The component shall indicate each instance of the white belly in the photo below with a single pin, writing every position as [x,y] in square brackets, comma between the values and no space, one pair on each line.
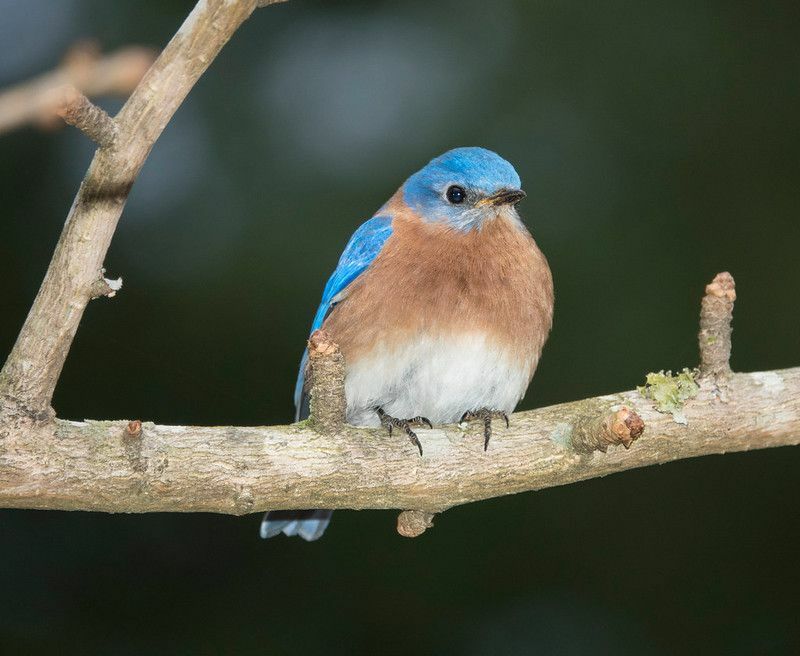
[437,378]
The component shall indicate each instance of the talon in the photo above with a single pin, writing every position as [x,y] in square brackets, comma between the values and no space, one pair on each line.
[415,440]
[486,415]
[390,423]
[421,421]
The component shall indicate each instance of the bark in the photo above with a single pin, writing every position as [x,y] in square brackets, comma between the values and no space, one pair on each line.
[106,466]
[31,371]
[135,466]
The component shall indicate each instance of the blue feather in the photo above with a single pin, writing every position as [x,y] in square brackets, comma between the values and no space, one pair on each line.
[361,250]
[308,524]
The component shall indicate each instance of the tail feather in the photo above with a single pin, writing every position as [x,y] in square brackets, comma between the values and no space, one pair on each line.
[308,524]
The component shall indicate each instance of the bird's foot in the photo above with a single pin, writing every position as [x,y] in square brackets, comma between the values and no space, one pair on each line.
[390,423]
[486,415]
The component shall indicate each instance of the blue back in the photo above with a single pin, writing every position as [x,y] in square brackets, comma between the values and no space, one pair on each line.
[361,250]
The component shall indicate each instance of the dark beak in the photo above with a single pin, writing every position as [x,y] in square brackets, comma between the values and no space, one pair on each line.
[503,197]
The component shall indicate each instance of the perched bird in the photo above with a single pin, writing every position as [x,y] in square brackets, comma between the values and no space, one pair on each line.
[441,304]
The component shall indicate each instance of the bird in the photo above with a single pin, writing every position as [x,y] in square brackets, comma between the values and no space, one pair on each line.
[441,304]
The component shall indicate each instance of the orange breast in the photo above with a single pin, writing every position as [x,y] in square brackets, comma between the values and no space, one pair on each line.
[429,280]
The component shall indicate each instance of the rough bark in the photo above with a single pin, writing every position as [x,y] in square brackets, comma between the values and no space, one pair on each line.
[76,109]
[326,373]
[31,371]
[714,338]
[134,466]
[103,465]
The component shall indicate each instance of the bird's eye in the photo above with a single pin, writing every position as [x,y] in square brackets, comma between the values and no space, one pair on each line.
[456,194]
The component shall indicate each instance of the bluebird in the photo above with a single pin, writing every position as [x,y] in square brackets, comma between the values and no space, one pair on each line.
[441,304]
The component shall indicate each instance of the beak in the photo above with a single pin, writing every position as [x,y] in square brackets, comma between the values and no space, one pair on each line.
[502,197]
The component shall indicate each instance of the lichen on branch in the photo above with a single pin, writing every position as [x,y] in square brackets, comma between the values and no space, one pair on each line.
[135,466]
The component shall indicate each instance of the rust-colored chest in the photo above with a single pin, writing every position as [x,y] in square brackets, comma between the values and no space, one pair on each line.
[433,281]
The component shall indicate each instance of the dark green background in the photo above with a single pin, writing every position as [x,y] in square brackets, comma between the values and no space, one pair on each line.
[658,143]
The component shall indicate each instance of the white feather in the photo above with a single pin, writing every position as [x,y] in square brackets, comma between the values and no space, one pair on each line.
[436,377]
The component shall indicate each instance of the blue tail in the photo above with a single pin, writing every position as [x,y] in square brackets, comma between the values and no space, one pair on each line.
[308,524]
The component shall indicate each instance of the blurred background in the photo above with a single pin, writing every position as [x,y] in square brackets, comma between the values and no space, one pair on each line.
[658,143]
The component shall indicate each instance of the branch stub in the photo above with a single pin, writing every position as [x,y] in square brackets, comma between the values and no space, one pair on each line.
[326,372]
[716,314]
[413,523]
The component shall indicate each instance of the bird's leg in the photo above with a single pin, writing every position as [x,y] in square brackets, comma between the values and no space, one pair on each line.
[486,415]
[390,423]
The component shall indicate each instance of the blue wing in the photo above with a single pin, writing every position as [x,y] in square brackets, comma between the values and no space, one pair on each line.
[361,250]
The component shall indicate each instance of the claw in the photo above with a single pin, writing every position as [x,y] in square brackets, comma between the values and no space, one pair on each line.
[414,440]
[486,415]
[390,423]
[420,421]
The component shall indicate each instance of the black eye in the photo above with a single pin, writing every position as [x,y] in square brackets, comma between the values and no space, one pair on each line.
[456,194]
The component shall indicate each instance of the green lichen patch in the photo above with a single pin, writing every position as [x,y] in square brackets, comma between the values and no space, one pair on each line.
[668,393]
[562,434]
[301,425]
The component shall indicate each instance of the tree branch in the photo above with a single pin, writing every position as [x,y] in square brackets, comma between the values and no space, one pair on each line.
[119,466]
[84,70]
[131,466]
[30,374]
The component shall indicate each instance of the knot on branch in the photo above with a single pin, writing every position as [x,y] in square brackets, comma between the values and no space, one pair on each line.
[716,314]
[326,371]
[623,427]
[413,523]
[134,429]
[609,427]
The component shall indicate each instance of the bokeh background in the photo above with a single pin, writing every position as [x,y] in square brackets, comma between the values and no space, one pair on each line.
[658,142]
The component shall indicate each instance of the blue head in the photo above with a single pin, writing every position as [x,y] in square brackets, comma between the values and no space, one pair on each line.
[463,188]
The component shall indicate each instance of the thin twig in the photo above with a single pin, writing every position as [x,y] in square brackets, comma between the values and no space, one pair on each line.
[77,110]
[31,371]
[84,69]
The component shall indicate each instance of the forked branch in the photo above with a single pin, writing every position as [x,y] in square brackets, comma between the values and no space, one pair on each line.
[85,71]
[135,466]
[30,374]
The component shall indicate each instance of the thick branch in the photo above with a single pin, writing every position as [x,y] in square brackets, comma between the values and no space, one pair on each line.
[31,372]
[117,466]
